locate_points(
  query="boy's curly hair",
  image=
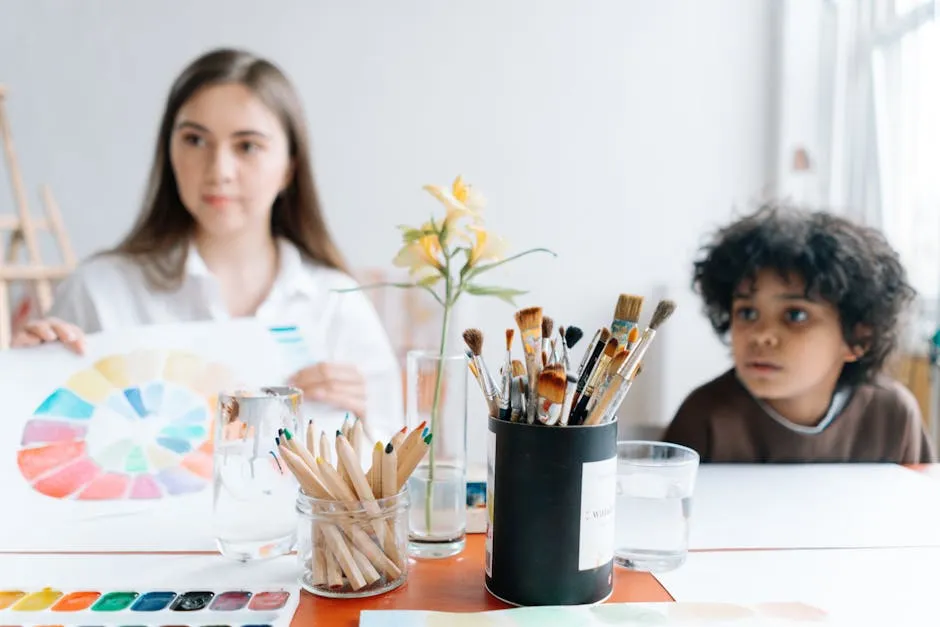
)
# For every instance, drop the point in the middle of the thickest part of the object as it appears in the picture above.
(849, 265)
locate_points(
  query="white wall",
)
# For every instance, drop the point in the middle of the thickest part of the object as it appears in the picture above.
(615, 132)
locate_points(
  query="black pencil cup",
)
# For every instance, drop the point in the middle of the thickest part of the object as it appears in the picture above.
(550, 513)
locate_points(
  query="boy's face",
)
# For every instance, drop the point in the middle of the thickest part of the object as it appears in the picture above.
(786, 346)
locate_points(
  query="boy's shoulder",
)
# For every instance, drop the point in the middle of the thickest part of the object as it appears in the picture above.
(890, 400)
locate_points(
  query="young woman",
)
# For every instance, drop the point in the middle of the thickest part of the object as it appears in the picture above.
(231, 227)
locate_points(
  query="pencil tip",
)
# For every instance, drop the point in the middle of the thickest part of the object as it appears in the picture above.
(288, 435)
(277, 440)
(338, 433)
(404, 429)
(427, 440)
(378, 446)
(389, 448)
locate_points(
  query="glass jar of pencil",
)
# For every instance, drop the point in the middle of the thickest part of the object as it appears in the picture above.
(352, 533)
(352, 549)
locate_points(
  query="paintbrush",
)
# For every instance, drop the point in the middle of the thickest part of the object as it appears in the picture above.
(587, 364)
(551, 396)
(518, 396)
(506, 381)
(548, 325)
(590, 349)
(474, 340)
(529, 321)
(607, 380)
(579, 413)
(626, 317)
(571, 384)
(609, 404)
(569, 337)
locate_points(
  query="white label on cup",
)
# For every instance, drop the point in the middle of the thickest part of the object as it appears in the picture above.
(598, 498)
(490, 498)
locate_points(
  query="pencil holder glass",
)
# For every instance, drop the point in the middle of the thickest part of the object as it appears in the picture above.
(352, 550)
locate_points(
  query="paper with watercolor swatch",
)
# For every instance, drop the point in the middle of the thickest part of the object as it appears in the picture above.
(624, 614)
(113, 450)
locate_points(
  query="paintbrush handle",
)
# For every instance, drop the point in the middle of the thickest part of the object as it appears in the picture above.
(588, 352)
(608, 400)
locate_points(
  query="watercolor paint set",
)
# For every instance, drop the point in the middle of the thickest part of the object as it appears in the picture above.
(88, 608)
(146, 590)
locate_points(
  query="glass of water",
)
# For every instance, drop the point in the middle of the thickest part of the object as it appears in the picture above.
(253, 515)
(655, 481)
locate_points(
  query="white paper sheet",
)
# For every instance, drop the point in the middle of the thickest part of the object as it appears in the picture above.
(110, 450)
(885, 582)
(813, 506)
(147, 573)
(628, 615)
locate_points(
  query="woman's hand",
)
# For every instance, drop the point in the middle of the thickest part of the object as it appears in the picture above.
(340, 385)
(50, 330)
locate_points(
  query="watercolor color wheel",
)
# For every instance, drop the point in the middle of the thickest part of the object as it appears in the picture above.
(133, 426)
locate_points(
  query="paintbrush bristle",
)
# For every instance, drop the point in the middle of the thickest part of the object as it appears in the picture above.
(557, 369)
(529, 318)
(573, 335)
(510, 334)
(611, 348)
(474, 340)
(552, 386)
(619, 360)
(605, 335)
(518, 368)
(548, 325)
(633, 335)
(664, 309)
(628, 307)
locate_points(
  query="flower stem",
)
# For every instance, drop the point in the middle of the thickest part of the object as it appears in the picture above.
(435, 406)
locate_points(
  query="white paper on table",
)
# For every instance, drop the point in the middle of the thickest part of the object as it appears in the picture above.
(813, 506)
(145, 573)
(176, 369)
(705, 614)
(888, 583)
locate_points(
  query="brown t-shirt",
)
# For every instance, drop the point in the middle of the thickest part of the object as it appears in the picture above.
(881, 422)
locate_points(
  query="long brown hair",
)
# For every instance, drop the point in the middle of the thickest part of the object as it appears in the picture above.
(159, 239)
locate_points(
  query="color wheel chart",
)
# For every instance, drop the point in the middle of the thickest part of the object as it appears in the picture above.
(136, 426)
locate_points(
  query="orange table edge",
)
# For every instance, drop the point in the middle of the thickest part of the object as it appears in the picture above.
(452, 585)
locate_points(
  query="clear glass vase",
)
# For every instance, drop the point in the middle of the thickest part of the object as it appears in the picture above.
(437, 396)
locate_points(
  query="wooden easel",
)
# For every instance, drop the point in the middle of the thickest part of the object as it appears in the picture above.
(23, 229)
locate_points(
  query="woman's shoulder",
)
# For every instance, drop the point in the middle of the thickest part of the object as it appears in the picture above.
(106, 268)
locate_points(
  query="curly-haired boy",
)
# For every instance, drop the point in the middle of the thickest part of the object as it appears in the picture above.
(812, 304)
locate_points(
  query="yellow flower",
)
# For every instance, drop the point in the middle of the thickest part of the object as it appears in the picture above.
(485, 247)
(467, 195)
(461, 201)
(422, 256)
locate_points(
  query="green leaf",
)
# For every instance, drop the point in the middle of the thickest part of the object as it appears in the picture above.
(481, 269)
(506, 294)
(409, 235)
(399, 285)
(430, 280)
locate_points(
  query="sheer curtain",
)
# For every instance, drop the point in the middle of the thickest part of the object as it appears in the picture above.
(883, 105)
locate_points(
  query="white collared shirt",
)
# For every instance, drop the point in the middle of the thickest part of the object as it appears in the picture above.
(110, 291)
